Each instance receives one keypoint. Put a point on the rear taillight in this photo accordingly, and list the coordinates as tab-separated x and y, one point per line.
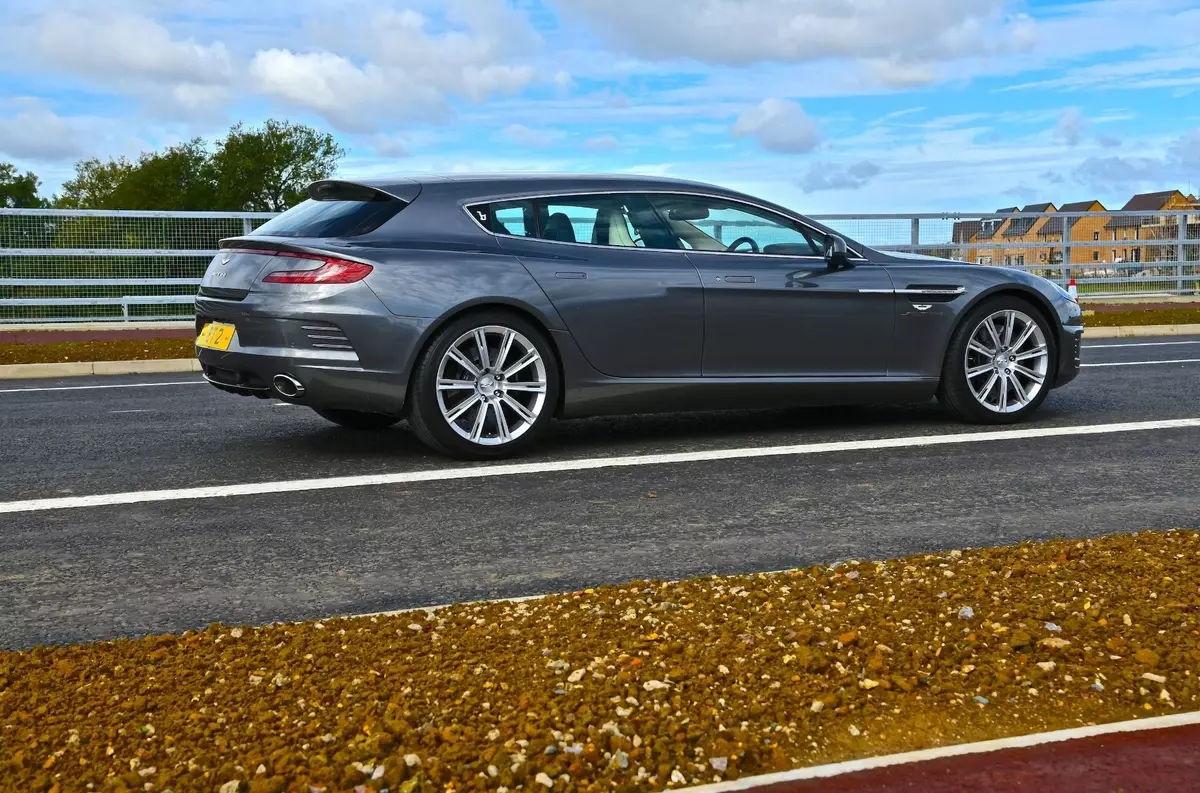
331	271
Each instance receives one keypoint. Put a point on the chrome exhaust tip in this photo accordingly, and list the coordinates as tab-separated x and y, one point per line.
288	386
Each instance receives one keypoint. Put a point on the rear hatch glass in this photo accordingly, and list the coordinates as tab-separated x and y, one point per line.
334	209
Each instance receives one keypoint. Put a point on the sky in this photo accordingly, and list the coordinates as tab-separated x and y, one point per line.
827	106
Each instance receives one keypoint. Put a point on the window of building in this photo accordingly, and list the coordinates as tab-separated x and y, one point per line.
1020	260
985	259
1137	255
1095	235
1096	255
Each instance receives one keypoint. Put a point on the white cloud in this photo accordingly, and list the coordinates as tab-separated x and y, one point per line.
124	45
1108	141
1071	126
825	176
333	86
525	136
740	32
406	71
36	133
779	125
1179	162
601	143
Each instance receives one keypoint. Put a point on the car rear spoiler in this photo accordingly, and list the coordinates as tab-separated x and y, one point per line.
370	190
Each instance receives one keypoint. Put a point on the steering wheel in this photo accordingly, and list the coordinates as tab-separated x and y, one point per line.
753	245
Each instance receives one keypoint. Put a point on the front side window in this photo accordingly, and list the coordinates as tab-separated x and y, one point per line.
620	221
713	224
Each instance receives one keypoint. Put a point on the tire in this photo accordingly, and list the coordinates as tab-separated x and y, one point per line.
978	375
515	387
357	420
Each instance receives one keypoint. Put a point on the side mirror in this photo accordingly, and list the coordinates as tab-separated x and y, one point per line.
835	252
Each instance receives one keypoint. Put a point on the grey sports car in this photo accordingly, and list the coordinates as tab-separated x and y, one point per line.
481	307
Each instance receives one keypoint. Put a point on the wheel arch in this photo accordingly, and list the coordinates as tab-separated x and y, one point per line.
1028	294
480	305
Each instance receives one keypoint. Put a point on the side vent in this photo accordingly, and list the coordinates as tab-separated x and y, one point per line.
324	336
932	293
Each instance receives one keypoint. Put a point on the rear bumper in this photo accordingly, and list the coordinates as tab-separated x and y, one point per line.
346	357
1070	339
325	385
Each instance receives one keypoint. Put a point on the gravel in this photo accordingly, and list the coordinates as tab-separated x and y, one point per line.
663	684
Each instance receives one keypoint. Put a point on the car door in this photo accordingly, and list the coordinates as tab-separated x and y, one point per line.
635	308
772	305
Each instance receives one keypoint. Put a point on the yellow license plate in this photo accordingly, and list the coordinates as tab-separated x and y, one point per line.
216	336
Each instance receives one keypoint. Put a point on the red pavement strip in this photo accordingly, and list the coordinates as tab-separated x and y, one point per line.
1157	755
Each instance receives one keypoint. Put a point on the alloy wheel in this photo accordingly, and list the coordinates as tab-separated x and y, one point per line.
1007	361
491	385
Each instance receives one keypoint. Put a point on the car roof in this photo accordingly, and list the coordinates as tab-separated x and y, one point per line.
493	185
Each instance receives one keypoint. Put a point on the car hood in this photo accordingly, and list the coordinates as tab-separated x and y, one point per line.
919	257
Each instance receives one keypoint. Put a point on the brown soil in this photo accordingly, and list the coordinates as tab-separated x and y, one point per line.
1111	315
634	687
76	351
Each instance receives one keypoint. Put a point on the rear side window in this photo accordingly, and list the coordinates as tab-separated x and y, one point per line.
612	220
337	211
515	218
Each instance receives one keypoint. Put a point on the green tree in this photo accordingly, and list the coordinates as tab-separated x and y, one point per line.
268	169
180	178
95	184
18	190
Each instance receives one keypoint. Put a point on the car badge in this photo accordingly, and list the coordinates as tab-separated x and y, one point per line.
225	259
922	306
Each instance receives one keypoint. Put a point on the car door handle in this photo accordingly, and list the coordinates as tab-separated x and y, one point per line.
571	275
739	279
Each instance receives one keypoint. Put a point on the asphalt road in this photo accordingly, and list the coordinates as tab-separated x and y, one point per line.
100	572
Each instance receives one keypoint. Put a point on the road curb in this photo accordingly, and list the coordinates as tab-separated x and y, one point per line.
32	371
23	371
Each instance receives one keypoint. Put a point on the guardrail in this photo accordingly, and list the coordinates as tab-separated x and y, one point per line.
91	265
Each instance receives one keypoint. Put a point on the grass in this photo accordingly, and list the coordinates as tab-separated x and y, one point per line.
634	687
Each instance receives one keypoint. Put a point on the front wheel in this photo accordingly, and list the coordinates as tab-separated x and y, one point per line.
485	388
997	368
357	420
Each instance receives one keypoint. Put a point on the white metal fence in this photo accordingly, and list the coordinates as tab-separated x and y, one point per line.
85	265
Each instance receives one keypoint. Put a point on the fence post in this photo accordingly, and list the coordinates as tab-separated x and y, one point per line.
719	231
1180	251
916	232
1068	230
247	227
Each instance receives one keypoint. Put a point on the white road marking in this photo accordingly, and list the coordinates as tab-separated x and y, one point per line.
925	755
1144	363
585	464
91	387
1136	344
284	405
135	410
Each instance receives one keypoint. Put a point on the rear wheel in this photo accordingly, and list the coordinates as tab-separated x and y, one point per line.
997	368
357	420
485	388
